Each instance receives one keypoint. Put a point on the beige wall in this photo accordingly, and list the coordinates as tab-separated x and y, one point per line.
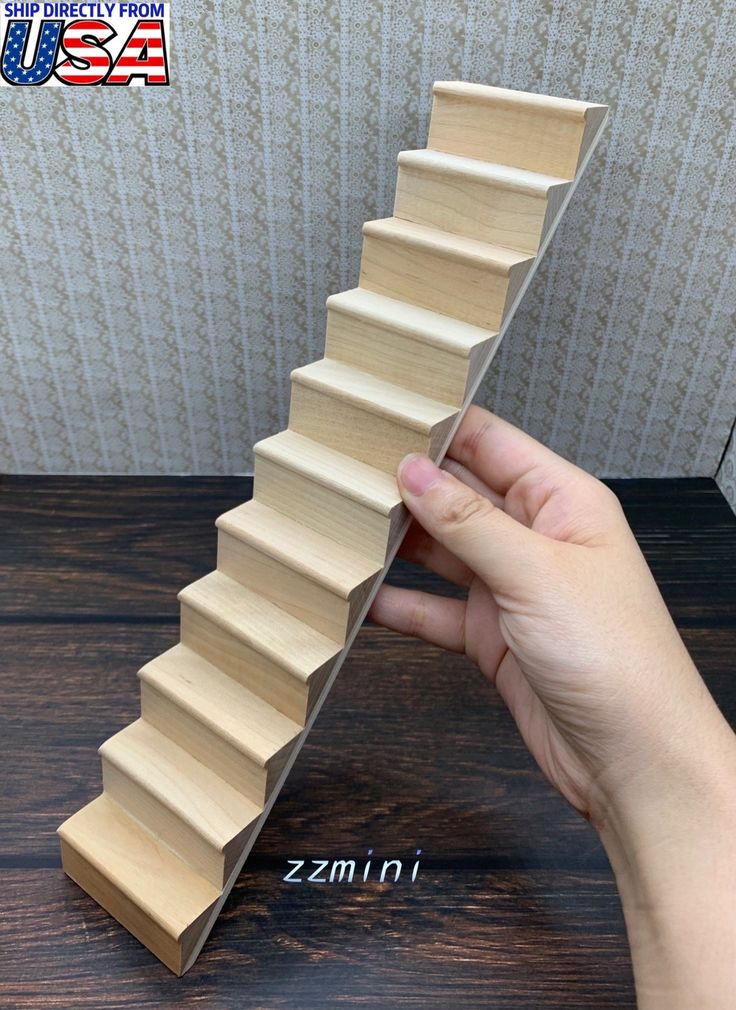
168	251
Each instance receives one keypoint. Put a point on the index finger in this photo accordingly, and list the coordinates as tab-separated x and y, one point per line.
499	453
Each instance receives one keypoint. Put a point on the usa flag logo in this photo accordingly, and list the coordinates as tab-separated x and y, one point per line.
92	44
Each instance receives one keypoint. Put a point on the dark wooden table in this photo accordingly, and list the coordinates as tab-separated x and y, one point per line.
514	905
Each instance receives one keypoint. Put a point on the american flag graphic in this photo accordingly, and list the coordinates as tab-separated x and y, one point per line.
88	63
15	63
86	51
143	53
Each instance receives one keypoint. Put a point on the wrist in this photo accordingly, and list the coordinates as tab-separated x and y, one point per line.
675	762
671	841
683	794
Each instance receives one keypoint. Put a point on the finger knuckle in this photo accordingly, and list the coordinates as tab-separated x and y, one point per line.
606	496
471	437
460	510
417	620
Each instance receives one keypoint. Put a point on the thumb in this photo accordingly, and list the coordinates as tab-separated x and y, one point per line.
491	543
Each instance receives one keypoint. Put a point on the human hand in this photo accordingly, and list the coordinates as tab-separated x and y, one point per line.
564	617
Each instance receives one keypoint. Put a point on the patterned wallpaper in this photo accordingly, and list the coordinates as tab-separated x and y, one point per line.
167	252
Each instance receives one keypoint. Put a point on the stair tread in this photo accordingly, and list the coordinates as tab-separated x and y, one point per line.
348	476
251	724
496	258
180	782
299	547
433	328
169	891
289	642
373	393
520	180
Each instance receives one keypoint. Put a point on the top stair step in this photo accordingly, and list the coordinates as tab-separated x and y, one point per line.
534	132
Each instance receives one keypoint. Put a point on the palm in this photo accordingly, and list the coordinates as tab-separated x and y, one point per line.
486	645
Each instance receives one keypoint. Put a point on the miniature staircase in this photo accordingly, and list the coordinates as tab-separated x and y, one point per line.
187	787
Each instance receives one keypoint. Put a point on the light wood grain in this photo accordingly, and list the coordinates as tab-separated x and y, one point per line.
218	720
305	572
361	415
423	351
137	878
516	128
179	799
67	686
461	277
224	713
327	491
491	203
269	651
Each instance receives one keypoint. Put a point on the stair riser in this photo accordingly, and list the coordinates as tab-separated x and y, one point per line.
310	602
180	836
507	133
456	286
398	357
472	208
206	745
346	521
238	659
373	438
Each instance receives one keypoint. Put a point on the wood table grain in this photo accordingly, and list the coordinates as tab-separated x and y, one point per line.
514	904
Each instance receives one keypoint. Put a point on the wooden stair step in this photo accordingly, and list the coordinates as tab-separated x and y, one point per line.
413	347
314	578
346	500
373	394
221	723
474	281
535	132
199	815
265	648
153	893
360	414
507	206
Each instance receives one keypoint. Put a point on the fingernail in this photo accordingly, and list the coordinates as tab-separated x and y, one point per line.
417	473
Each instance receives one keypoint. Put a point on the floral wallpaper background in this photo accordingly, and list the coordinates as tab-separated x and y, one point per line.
167	252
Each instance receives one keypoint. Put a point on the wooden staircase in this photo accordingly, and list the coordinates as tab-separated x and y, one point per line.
187	787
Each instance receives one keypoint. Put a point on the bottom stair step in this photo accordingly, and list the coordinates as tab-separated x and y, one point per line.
152	892
189	807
